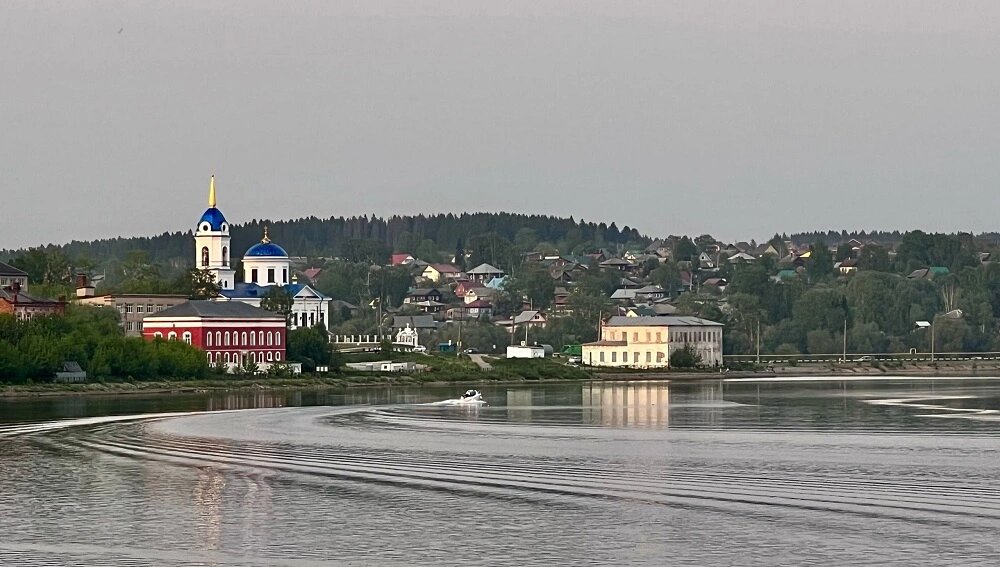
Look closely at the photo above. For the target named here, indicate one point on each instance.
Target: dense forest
(429, 237)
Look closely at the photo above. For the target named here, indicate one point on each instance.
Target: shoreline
(174, 387)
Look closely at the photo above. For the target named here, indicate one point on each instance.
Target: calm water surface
(886, 472)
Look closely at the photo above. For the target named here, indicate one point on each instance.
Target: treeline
(36, 349)
(357, 238)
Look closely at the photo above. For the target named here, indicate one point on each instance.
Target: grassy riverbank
(461, 370)
(440, 370)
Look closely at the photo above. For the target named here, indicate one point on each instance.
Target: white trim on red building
(229, 332)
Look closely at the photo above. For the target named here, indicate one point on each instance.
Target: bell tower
(211, 243)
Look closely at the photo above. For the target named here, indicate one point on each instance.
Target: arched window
(225, 256)
(204, 256)
(277, 355)
(277, 338)
(284, 276)
(218, 338)
(236, 359)
(244, 343)
(269, 356)
(187, 337)
(253, 338)
(227, 358)
(270, 339)
(261, 338)
(172, 336)
(208, 339)
(209, 357)
(157, 335)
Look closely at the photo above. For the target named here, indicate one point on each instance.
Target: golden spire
(211, 193)
(265, 240)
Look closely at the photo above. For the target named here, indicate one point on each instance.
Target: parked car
(470, 350)
(420, 348)
(574, 360)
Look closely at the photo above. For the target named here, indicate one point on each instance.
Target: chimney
(83, 287)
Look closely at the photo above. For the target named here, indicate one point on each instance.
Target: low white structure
(525, 351)
(408, 337)
(383, 366)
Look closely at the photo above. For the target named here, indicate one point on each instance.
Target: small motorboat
(471, 397)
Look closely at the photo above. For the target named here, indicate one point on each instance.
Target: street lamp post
(924, 325)
(953, 314)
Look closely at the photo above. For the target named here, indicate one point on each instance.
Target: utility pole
(932, 338)
(845, 342)
(758, 341)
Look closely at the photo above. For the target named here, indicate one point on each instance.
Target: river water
(781, 472)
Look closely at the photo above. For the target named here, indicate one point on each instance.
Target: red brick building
(228, 331)
(17, 302)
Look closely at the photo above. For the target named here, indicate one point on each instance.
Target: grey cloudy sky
(734, 118)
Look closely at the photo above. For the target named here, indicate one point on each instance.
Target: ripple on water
(420, 485)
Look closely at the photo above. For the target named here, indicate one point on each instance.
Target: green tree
(875, 258)
(820, 265)
(197, 284)
(533, 283)
(309, 346)
(685, 357)
(667, 276)
(278, 300)
(821, 308)
(139, 273)
(844, 251)
(685, 250)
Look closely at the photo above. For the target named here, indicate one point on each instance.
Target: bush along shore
(430, 369)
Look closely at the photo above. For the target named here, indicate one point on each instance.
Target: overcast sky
(739, 119)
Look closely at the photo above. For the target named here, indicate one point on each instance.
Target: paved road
(478, 359)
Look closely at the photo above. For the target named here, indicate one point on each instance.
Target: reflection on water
(714, 472)
(623, 403)
(208, 502)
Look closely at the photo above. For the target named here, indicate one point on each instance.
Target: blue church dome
(266, 249)
(214, 218)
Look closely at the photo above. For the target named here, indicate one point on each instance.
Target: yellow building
(647, 342)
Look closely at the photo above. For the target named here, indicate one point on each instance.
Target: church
(265, 266)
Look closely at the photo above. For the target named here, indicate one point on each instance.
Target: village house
(471, 310)
(441, 273)
(401, 259)
(741, 258)
(648, 342)
(484, 273)
(422, 294)
(480, 294)
(846, 266)
(464, 285)
(560, 299)
(14, 300)
(616, 264)
(9, 275)
(649, 293)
